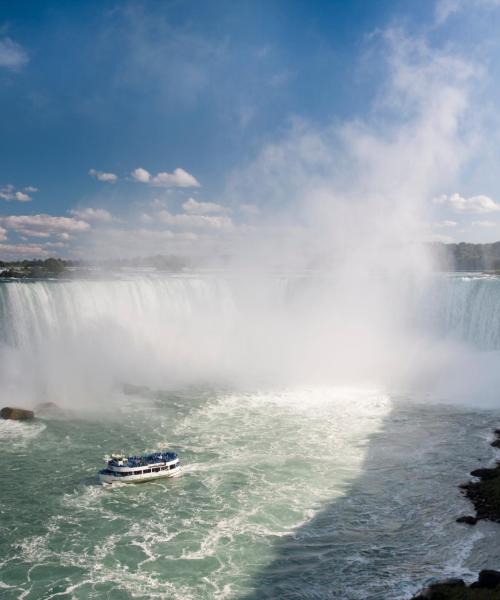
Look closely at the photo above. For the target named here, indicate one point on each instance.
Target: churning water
(288, 491)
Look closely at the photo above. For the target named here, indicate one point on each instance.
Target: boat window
(156, 469)
(147, 471)
(173, 466)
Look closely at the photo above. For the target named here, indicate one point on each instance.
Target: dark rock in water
(485, 494)
(17, 414)
(131, 390)
(45, 407)
(486, 588)
(467, 519)
(450, 588)
(488, 579)
(52, 411)
(484, 473)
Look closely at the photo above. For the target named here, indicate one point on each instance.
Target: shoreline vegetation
(67, 269)
(448, 257)
(484, 493)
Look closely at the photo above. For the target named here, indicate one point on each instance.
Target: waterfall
(466, 308)
(70, 341)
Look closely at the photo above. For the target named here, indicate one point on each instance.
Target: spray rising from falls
(72, 342)
(346, 200)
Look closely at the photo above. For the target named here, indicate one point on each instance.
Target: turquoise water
(291, 493)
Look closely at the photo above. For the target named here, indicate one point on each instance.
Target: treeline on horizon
(460, 256)
(464, 256)
(57, 267)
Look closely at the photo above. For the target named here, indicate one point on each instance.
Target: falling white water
(74, 341)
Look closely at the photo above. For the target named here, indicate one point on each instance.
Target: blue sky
(92, 91)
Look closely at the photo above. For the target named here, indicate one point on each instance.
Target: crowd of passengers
(143, 461)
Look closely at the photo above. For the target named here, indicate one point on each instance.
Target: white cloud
(195, 221)
(437, 237)
(102, 176)
(144, 241)
(8, 192)
(93, 214)
(22, 197)
(12, 55)
(475, 204)
(141, 175)
(146, 219)
(44, 224)
(3, 234)
(193, 207)
(484, 224)
(249, 209)
(179, 178)
(446, 8)
(33, 233)
(445, 223)
(54, 245)
(16, 250)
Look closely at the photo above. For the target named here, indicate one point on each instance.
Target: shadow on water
(394, 530)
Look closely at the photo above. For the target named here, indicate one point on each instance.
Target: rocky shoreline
(484, 493)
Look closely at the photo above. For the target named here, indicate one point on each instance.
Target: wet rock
(17, 414)
(485, 473)
(488, 579)
(449, 588)
(47, 407)
(468, 519)
(485, 493)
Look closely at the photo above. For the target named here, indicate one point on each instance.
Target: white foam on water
(18, 435)
(258, 468)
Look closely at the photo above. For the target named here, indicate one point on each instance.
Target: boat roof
(144, 459)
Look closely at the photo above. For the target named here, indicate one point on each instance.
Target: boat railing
(143, 461)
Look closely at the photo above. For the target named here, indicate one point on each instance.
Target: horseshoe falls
(323, 430)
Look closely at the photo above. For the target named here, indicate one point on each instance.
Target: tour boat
(134, 469)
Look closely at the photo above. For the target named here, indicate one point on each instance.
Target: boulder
(17, 414)
(485, 473)
(488, 579)
(468, 519)
(444, 589)
(47, 407)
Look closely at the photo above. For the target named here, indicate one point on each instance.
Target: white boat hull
(139, 478)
